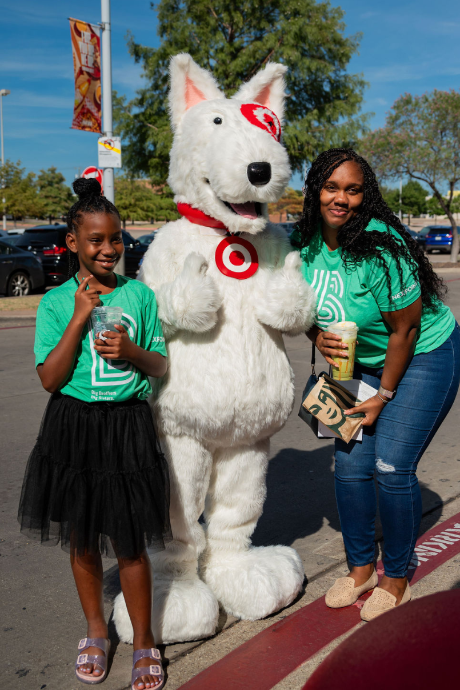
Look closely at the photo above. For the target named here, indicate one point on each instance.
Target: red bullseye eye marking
(262, 117)
(236, 258)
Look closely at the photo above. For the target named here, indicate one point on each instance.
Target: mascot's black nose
(259, 173)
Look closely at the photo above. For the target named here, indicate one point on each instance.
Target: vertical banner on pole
(86, 50)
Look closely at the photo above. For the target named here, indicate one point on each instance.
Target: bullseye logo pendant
(236, 258)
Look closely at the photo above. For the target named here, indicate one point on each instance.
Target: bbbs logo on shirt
(107, 372)
(328, 285)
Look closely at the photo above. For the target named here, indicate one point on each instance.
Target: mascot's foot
(183, 610)
(255, 583)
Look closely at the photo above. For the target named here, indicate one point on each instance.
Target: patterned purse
(327, 401)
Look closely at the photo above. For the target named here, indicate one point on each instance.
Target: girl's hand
(85, 301)
(328, 344)
(117, 346)
(371, 408)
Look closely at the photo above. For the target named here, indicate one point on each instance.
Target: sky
(405, 47)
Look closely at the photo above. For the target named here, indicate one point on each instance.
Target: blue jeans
(392, 447)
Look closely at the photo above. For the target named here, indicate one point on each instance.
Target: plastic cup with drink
(105, 319)
(348, 331)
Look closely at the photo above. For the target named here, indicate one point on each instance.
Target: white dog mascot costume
(228, 286)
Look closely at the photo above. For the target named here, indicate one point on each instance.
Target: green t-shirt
(360, 294)
(94, 378)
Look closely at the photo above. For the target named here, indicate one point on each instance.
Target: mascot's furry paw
(288, 303)
(255, 583)
(192, 301)
(122, 620)
(183, 610)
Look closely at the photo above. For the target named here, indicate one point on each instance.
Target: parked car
(287, 226)
(415, 236)
(48, 243)
(134, 253)
(146, 239)
(20, 271)
(422, 236)
(438, 237)
(419, 237)
(11, 239)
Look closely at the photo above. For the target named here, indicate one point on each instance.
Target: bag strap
(313, 361)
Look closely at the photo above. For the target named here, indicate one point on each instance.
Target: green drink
(348, 331)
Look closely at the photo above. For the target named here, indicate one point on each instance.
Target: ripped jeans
(392, 448)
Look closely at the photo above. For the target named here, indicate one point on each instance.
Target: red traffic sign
(92, 171)
(236, 258)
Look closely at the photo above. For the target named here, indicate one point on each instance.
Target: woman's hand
(118, 345)
(371, 408)
(85, 301)
(330, 345)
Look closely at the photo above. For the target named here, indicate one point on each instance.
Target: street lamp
(3, 92)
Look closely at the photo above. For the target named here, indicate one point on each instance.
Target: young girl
(96, 480)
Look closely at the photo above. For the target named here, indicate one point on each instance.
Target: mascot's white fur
(229, 386)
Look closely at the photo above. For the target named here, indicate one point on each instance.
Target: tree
(413, 199)
(391, 197)
(137, 201)
(234, 41)
(55, 196)
(433, 207)
(421, 139)
(290, 203)
(456, 204)
(21, 198)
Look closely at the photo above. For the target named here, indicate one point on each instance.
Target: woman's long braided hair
(90, 200)
(356, 242)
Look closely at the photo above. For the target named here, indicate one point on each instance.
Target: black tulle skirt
(97, 480)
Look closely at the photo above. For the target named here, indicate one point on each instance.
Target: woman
(366, 268)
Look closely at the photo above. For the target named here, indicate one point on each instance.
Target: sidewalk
(284, 651)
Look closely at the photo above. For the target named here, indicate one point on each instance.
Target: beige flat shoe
(344, 593)
(381, 601)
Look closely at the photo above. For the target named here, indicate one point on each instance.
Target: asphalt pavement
(41, 616)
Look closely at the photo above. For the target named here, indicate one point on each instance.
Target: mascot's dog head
(227, 159)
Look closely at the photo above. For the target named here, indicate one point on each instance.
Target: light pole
(107, 91)
(3, 92)
(109, 188)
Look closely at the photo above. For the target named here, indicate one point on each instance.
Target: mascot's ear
(267, 87)
(190, 85)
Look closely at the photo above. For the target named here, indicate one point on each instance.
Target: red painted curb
(263, 661)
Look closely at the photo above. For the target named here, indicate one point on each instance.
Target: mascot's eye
(217, 120)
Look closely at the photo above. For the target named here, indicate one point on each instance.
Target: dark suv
(134, 252)
(48, 243)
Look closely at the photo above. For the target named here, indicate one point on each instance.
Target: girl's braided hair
(90, 200)
(356, 242)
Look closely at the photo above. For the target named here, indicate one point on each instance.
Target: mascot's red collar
(194, 215)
